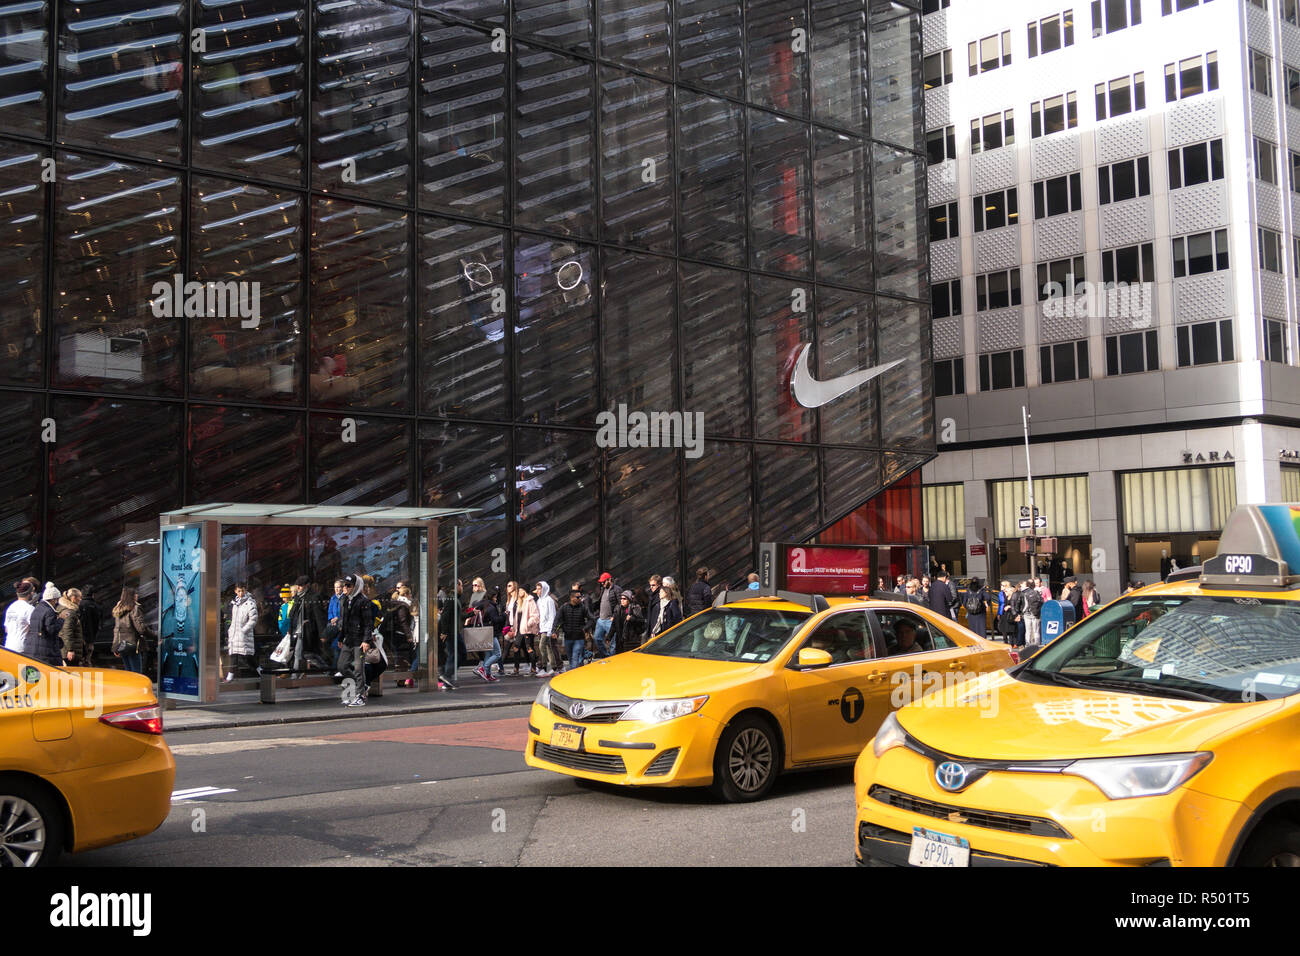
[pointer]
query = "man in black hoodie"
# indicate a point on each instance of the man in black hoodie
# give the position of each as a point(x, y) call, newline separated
point(355, 630)
point(572, 622)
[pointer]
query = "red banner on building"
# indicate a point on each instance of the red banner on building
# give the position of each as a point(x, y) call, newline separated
point(823, 569)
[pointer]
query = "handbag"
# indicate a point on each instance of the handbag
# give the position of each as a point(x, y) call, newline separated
point(478, 636)
point(281, 653)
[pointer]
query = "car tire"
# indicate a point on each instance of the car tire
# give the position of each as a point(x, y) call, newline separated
point(747, 761)
point(31, 825)
point(1274, 844)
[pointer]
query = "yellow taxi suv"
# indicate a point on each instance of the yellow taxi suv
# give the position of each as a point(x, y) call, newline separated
point(83, 763)
point(1161, 730)
point(740, 692)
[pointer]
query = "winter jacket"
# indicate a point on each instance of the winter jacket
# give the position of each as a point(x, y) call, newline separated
point(942, 599)
point(669, 614)
point(698, 597)
point(628, 626)
point(546, 611)
point(307, 612)
point(91, 620)
point(243, 626)
point(71, 637)
point(358, 618)
point(130, 631)
point(43, 641)
point(572, 621)
point(525, 618)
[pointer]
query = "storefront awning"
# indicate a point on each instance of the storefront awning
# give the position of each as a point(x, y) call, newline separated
point(358, 515)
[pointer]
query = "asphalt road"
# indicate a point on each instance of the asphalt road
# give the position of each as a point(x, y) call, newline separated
point(452, 789)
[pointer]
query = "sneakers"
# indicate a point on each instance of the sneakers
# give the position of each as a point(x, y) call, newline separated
point(484, 674)
point(230, 676)
point(356, 702)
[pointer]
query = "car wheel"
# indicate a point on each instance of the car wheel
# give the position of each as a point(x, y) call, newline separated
point(31, 827)
point(745, 764)
point(1274, 844)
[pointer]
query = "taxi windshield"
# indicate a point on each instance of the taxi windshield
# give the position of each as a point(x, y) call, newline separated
point(1201, 647)
point(738, 634)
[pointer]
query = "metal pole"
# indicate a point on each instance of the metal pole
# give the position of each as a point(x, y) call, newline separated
point(1033, 515)
point(455, 581)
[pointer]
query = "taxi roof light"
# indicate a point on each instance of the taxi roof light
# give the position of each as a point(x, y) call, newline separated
point(1259, 546)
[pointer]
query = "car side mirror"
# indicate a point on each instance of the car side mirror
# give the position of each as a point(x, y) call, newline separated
point(811, 657)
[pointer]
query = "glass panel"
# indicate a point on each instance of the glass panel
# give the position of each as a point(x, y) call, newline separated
point(907, 410)
point(466, 466)
point(359, 461)
point(895, 75)
point(846, 343)
point(559, 508)
point(360, 306)
point(712, 197)
point(781, 329)
point(117, 231)
point(241, 454)
point(899, 190)
point(839, 63)
point(778, 216)
point(249, 239)
point(636, 160)
point(636, 32)
point(361, 99)
point(462, 150)
point(715, 351)
point(25, 67)
point(788, 484)
point(129, 454)
point(778, 58)
point(248, 91)
point(848, 479)
point(554, 166)
point(555, 364)
point(719, 511)
point(641, 524)
point(23, 276)
point(121, 76)
point(709, 45)
point(463, 326)
point(560, 22)
point(842, 207)
point(638, 315)
point(484, 11)
point(20, 486)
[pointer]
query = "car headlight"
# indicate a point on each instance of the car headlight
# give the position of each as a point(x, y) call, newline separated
point(1123, 777)
point(543, 698)
point(657, 711)
point(889, 736)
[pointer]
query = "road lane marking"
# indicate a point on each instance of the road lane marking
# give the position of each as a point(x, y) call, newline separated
point(199, 793)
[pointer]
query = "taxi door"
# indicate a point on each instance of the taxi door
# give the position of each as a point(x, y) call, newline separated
point(915, 656)
point(827, 704)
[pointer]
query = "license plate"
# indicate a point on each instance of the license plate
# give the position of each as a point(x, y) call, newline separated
point(938, 849)
point(570, 738)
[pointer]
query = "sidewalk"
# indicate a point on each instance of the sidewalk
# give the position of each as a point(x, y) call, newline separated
point(244, 708)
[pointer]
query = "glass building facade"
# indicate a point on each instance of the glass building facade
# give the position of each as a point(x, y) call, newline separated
point(474, 226)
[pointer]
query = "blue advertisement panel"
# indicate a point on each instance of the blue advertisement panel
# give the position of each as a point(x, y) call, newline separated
point(180, 609)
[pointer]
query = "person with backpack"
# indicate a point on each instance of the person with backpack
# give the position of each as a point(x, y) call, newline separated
point(976, 604)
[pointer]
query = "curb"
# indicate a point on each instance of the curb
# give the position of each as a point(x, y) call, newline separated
point(349, 714)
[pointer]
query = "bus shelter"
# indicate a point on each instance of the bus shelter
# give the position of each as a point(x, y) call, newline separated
point(204, 549)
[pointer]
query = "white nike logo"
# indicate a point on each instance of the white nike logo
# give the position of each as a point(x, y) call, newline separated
point(810, 393)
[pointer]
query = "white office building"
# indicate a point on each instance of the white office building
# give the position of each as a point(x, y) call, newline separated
point(1136, 163)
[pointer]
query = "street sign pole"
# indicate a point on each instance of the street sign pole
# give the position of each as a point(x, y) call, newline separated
point(1029, 476)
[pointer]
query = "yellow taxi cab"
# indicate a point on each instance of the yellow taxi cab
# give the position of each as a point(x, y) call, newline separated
point(1161, 730)
point(83, 763)
point(746, 689)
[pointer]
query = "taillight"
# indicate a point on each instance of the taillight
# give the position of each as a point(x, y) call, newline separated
point(143, 720)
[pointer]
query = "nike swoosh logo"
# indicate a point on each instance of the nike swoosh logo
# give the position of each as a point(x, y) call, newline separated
point(811, 393)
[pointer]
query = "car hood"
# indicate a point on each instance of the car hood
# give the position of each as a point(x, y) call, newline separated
point(997, 717)
point(635, 676)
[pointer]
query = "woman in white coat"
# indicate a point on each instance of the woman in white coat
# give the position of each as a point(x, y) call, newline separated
point(243, 624)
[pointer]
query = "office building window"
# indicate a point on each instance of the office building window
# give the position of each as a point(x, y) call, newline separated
point(1129, 264)
point(1290, 11)
point(945, 299)
point(990, 53)
point(1261, 72)
point(1204, 343)
point(1057, 196)
point(992, 131)
point(1059, 277)
point(1295, 172)
point(1265, 161)
point(1000, 370)
point(950, 377)
point(1270, 250)
point(1275, 349)
point(937, 69)
point(1124, 94)
point(1200, 253)
point(1291, 91)
point(1051, 33)
point(1109, 16)
point(1191, 76)
point(941, 145)
point(1174, 6)
point(1295, 256)
point(943, 222)
point(1195, 164)
point(997, 290)
point(1063, 362)
point(1132, 352)
point(934, 6)
point(1124, 180)
point(995, 210)
point(1053, 115)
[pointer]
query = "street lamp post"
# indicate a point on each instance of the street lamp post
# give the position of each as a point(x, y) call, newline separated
point(1033, 513)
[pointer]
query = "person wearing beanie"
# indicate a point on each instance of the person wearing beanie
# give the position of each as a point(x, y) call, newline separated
point(43, 641)
point(18, 617)
point(51, 593)
point(282, 622)
point(629, 624)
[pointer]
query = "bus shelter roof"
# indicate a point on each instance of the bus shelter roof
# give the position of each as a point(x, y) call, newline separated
point(360, 516)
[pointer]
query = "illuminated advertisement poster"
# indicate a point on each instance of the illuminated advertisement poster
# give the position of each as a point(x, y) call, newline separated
point(180, 600)
point(828, 570)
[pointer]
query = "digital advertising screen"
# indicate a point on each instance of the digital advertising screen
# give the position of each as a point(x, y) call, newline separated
point(180, 609)
point(823, 569)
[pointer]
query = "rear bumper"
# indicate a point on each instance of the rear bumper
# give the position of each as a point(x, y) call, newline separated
point(111, 804)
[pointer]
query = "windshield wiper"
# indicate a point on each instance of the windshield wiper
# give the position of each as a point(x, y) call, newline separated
point(1051, 677)
point(1157, 690)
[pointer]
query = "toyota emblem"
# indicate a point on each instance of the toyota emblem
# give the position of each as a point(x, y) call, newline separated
point(577, 710)
point(950, 775)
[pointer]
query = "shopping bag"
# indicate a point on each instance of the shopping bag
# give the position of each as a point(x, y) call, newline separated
point(477, 638)
point(281, 653)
